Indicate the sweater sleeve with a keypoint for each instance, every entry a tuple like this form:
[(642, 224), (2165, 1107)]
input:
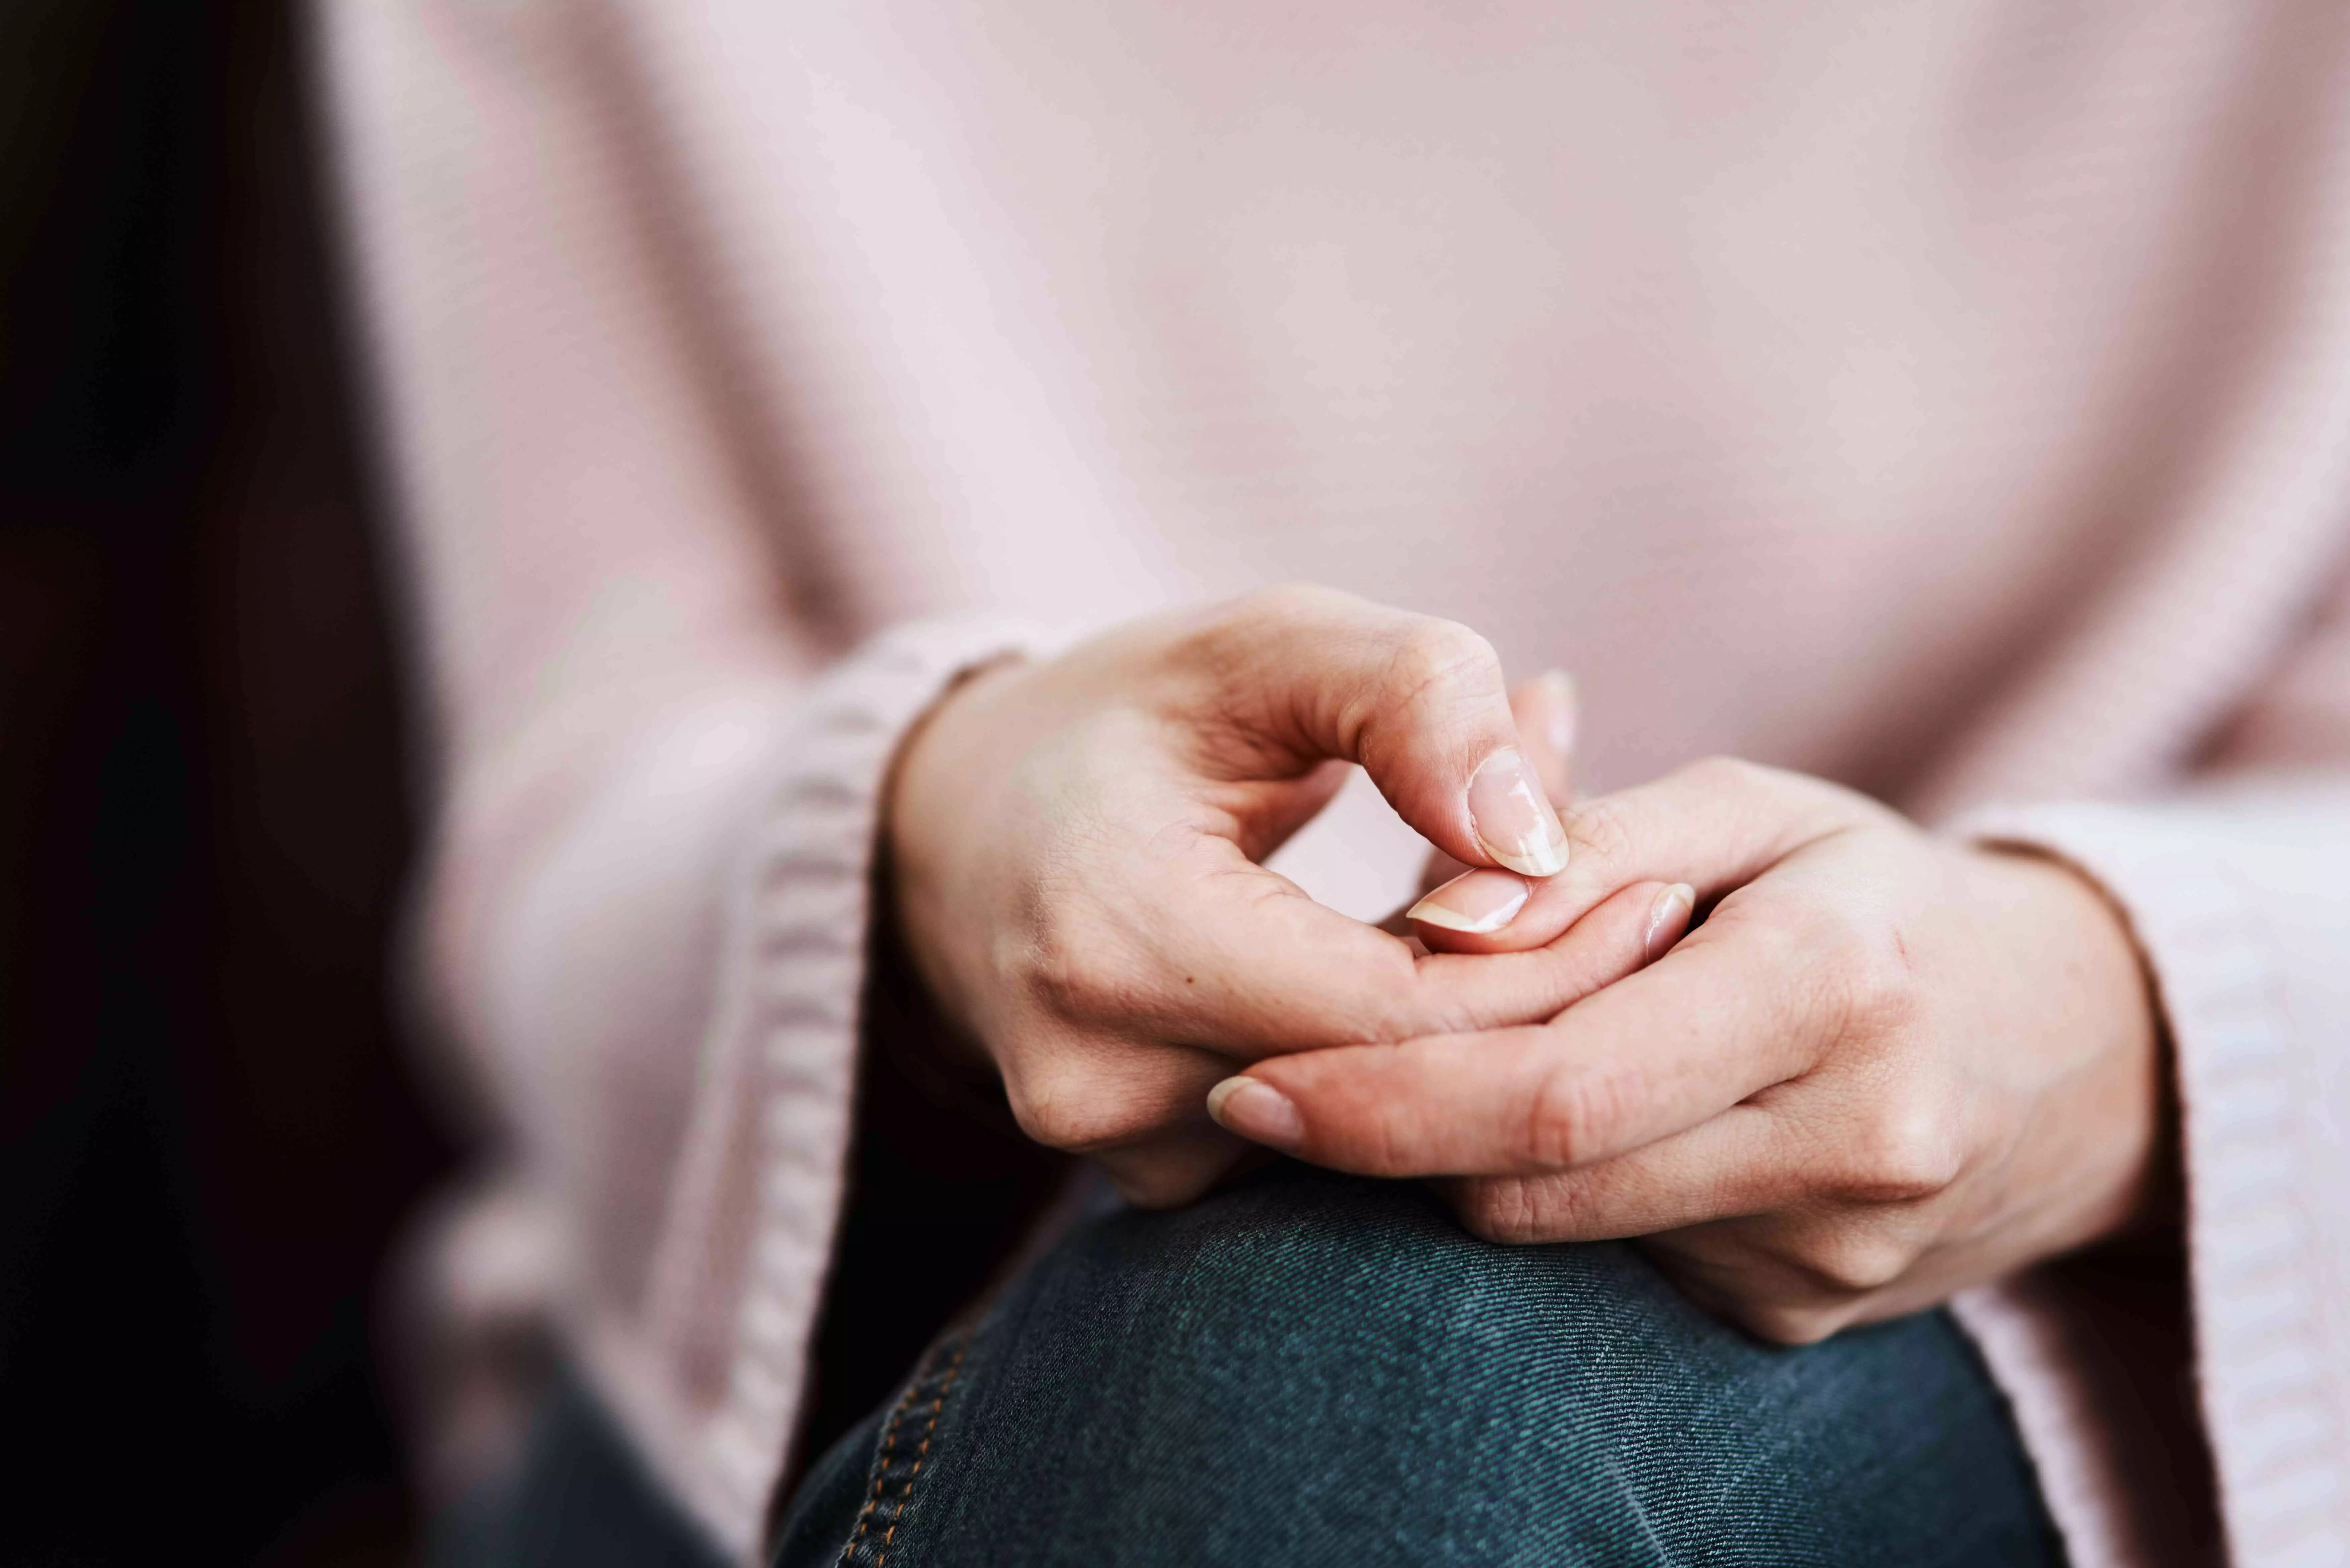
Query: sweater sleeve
[(657, 779), (2238, 889), (703, 1350)]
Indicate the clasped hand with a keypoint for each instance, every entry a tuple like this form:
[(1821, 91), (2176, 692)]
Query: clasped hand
[(1882, 1066)]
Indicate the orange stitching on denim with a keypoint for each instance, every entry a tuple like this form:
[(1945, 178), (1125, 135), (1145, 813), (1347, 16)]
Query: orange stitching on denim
[(881, 1471), (955, 1369), (889, 1448)]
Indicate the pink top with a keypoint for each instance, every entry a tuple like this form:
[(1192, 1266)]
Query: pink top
[(1951, 398)]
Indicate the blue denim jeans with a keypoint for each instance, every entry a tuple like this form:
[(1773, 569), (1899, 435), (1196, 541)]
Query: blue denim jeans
[(1312, 1369)]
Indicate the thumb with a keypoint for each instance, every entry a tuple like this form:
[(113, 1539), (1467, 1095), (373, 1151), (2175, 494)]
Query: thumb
[(1714, 824), (1417, 702), (1547, 711)]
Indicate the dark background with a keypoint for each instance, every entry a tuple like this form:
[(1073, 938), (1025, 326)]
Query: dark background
[(208, 1140)]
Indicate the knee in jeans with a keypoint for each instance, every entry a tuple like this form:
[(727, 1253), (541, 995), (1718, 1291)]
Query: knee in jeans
[(1312, 1367)]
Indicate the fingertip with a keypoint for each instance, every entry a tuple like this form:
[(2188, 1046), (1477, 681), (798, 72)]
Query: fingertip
[(1619, 934), (1668, 920), (1512, 817), (1257, 1111), (1476, 903)]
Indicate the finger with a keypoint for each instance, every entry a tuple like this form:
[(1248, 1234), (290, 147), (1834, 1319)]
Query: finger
[(1744, 1161), (1175, 1167), (1087, 1093), (1546, 714), (1711, 1024), (1797, 1151), (1198, 947), (1547, 711), (1133, 1107), (1714, 824), (1301, 978), (1721, 1268), (1299, 674), (1796, 1278)]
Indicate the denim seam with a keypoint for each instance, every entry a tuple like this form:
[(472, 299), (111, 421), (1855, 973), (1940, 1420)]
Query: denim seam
[(886, 1460)]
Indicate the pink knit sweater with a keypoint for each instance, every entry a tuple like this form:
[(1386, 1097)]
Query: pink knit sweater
[(1950, 397)]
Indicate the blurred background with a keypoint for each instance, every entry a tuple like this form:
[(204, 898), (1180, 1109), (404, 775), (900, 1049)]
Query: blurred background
[(210, 1139)]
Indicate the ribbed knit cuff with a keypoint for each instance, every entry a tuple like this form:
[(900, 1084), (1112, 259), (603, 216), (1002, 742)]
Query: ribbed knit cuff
[(715, 1383), (2239, 905)]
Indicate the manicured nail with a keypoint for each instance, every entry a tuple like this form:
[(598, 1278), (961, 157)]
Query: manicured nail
[(1669, 917), (1258, 1112), (1561, 709), (1475, 901), (1513, 820)]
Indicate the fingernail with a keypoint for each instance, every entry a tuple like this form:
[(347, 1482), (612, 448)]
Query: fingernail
[(1475, 901), (1258, 1112), (1512, 819), (1560, 711), (1669, 917)]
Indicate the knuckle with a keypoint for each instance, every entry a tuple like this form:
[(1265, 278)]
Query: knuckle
[(1792, 807), (1599, 828), (1866, 979), (1880, 991), (1074, 972), (1810, 800), (1152, 1184), (1223, 637), (1570, 1116), (1434, 657), (1852, 1261), (1500, 1210), (1788, 1325), (1903, 1151), (1728, 775), (1064, 1107), (1388, 1003), (1533, 1211)]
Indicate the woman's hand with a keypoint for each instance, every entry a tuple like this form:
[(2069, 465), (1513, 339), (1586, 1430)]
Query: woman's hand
[(1076, 850), (1548, 713), (1884, 1068)]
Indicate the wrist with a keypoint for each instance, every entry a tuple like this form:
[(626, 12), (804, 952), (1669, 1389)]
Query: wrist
[(2109, 1010), (927, 807)]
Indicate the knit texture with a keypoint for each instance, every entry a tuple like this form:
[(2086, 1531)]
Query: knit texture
[(2237, 901), (715, 1358), (1950, 399)]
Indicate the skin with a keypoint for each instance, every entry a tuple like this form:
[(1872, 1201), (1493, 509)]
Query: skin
[(1883, 1068), (1076, 849)]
